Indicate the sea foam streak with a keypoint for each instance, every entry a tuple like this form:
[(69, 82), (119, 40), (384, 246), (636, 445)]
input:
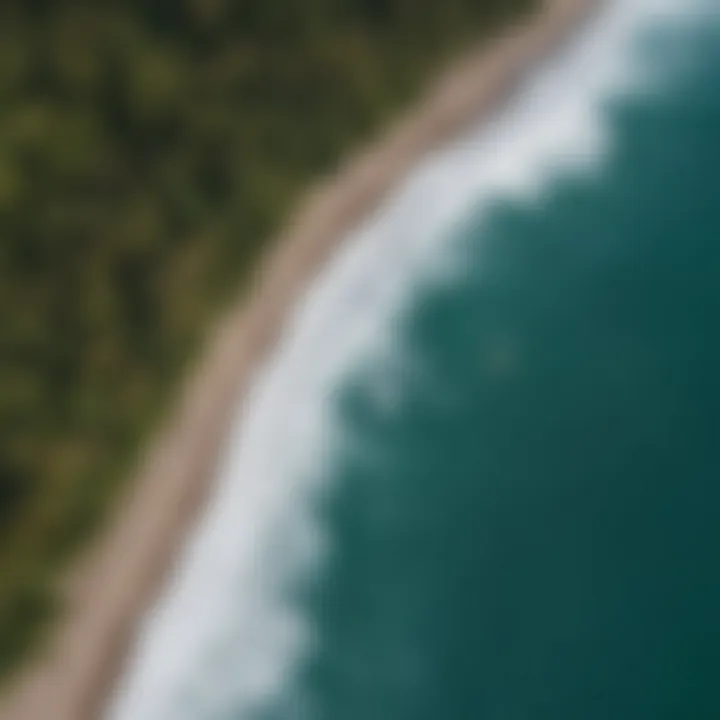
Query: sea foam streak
[(226, 635)]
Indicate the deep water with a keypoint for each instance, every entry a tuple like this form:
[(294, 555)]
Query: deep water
[(521, 515), (547, 543)]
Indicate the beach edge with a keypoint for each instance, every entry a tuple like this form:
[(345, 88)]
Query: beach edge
[(117, 579)]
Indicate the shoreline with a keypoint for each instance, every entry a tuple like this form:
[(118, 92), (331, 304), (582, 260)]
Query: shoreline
[(118, 577)]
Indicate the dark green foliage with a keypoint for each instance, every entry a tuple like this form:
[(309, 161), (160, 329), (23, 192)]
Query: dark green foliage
[(148, 149)]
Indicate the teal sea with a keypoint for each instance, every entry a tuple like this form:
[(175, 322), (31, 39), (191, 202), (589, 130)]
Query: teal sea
[(481, 478)]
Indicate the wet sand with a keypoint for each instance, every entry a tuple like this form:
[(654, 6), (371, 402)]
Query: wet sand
[(117, 579)]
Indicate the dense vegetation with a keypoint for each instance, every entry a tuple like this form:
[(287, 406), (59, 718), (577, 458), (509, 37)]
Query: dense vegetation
[(148, 148)]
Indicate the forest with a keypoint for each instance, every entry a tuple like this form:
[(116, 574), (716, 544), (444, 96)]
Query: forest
[(149, 150)]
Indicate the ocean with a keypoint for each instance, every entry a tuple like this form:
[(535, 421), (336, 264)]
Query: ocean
[(480, 477)]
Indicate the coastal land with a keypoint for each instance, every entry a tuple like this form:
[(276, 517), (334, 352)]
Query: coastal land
[(116, 580)]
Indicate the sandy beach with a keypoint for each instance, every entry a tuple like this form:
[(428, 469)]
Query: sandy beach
[(117, 579)]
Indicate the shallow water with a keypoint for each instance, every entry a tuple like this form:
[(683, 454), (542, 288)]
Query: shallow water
[(481, 477)]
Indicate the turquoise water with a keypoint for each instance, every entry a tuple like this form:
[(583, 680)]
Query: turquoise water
[(516, 511), (548, 545)]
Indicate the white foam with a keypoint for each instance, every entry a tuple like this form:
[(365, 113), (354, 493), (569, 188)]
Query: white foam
[(226, 633)]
